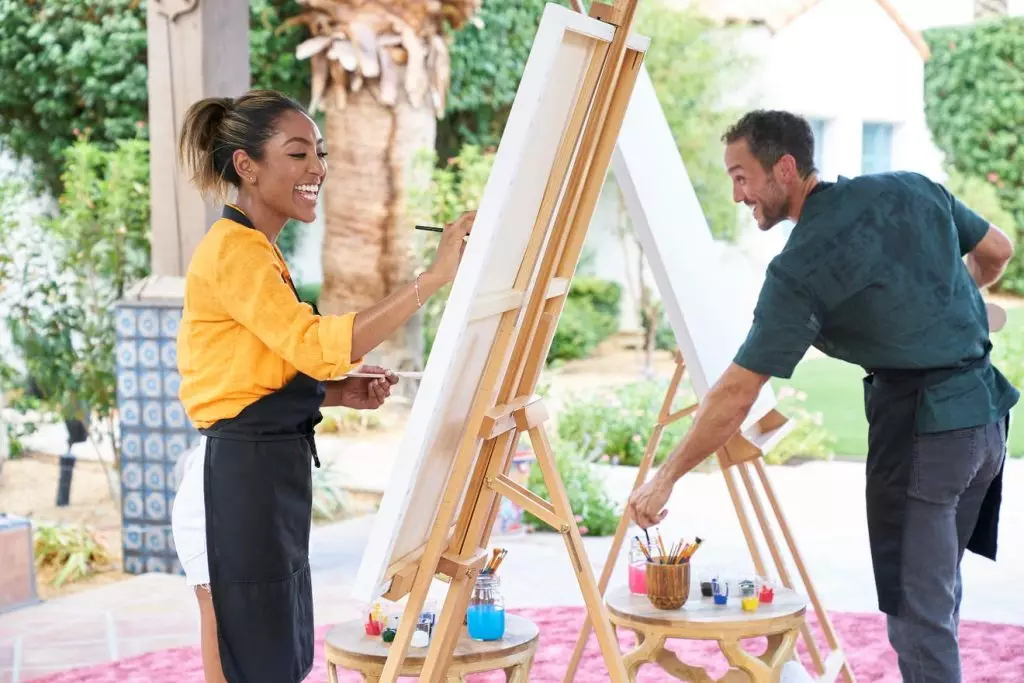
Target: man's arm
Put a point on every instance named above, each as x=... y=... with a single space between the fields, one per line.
x=718 y=419
x=787 y=319
x=987 y=261
x=988 y=249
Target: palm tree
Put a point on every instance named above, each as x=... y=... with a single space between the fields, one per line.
x=987 y=9
x=380 y=74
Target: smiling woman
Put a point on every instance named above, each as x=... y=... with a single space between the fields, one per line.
x=256 y=366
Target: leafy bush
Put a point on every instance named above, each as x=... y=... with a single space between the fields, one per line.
x=578 y=332
x=1008 y=352
x=596 y=514
x=65 y=274
x=590 y=315
x=67 y=65
x=614 y=425
x=974 y=106
x=808 y=438
x=70 y=553
x=604 y=295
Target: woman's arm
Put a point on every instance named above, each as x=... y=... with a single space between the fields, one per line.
x=378 y=322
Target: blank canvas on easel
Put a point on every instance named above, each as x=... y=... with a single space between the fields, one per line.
x=554 y=75
x=710 y=320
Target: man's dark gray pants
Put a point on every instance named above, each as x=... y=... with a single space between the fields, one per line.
x=951 y=473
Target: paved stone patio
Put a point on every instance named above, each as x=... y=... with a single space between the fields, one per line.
x=823 y=503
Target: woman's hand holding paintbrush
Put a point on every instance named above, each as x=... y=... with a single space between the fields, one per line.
x=444 y=265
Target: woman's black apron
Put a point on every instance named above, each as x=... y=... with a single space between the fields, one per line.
x=259 y=496
x=891 y=399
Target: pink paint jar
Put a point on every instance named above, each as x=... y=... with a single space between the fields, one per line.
x=637 y=570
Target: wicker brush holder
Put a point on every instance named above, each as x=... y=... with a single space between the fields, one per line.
x=668 y=585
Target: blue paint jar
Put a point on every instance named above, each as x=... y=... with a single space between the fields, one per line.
x=485 y=617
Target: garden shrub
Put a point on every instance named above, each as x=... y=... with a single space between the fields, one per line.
x=974 y=106
x=614 y=425
x=596 y=514
x=590 y=315
x=808 y=438
x=64 y=274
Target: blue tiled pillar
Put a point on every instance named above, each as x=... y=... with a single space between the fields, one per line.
x=154 y=429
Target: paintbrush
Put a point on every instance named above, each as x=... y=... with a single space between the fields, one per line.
x=643 y=549
x=497 y=561
x=401 y=374
x=693 y=548
x=434 y=228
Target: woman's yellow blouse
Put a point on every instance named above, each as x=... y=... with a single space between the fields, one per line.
x=244 y=333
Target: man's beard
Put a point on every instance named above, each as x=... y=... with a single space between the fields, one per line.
x=774 y=208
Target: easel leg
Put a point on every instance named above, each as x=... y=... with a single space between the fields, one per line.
x=741 y=515
x=812 y=593
x=574 y=543
x=449 y=626
x=665 y=418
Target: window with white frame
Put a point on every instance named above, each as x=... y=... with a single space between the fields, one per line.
x=876 y=148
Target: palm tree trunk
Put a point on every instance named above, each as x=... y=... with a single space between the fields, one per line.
x=368 y=241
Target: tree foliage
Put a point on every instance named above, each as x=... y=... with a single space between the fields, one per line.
x=486 y=66
x=68 y=65
x=974 y=106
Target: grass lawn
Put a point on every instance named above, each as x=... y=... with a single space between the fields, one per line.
x=833 y=389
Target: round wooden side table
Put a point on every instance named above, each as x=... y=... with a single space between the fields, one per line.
x=701 y=619
x=348 y=647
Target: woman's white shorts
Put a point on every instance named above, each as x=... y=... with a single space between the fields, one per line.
x=188 y=516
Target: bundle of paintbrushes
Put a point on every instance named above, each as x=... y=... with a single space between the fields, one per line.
x=677 y=553
x=497 y=555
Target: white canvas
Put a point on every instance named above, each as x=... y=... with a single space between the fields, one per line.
x=540 y=113
x=708 y=316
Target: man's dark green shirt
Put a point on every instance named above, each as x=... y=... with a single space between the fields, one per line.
x=873 y=274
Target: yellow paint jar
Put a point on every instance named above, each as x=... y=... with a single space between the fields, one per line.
x=749 y=603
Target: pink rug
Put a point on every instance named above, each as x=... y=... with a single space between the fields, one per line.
x=991 y=653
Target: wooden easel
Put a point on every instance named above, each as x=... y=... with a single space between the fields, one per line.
x=505 y=404
x=740 y=453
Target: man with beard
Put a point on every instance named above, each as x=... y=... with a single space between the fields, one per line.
x=874 y=274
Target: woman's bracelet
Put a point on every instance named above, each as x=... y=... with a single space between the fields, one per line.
x=416 y=287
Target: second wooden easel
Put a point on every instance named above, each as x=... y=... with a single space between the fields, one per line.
x=742 y=454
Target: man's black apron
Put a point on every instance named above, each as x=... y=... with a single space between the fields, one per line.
x=259 y=497
x=891 y=399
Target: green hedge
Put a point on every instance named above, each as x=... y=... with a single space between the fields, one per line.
x=68 y=65
x=590 y=315
x=974 y=106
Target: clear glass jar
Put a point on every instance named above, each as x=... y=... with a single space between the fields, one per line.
x=637 y=569
x=485 y=617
